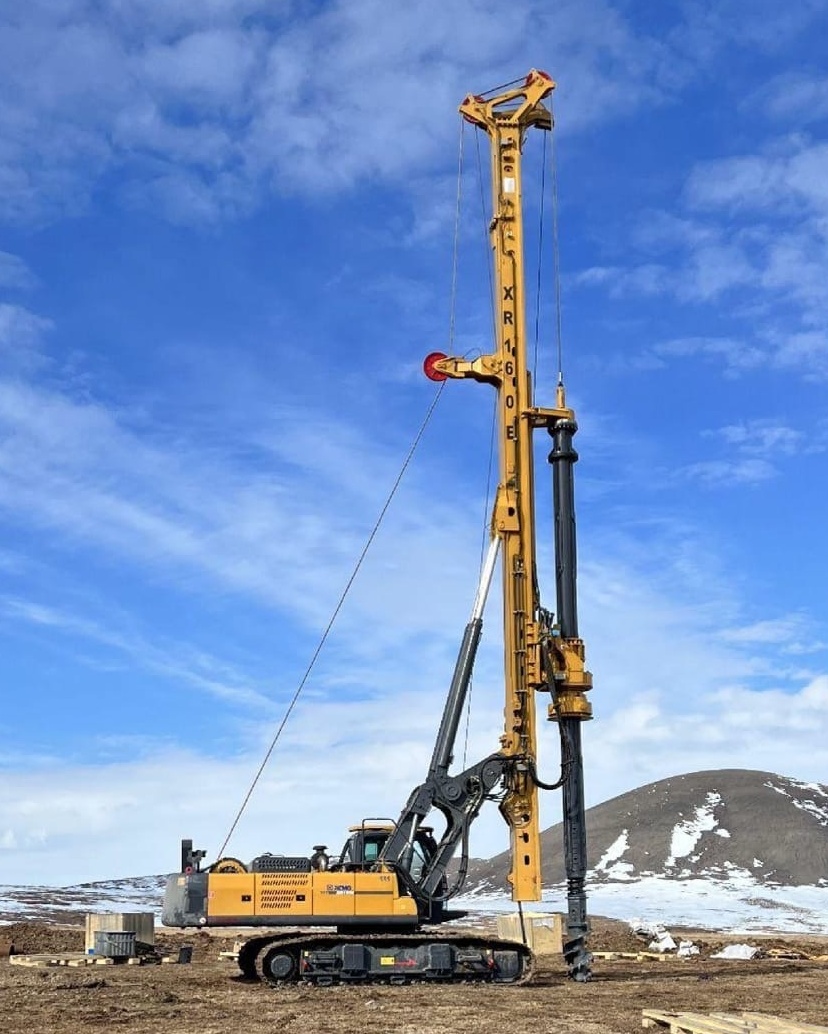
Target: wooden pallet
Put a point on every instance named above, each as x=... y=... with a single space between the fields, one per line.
x=726 y=1023
x=68 y=958
x=793 y=954
x=636 y=956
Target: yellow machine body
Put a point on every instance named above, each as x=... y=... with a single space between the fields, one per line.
x=326 y=898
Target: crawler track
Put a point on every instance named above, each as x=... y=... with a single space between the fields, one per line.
x=331 y=958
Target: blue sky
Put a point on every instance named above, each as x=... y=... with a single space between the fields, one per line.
x=225 y=247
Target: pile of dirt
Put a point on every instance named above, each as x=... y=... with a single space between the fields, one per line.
x=205 y=945
x=40 y=938
x=30 y=938
x=612 y=935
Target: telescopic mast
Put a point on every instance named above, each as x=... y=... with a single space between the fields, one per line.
x=538 y=656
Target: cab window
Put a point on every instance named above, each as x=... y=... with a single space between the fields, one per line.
x=417 y=861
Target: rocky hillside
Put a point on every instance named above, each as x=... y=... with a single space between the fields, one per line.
x=704 y=824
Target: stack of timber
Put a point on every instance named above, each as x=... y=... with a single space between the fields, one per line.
x=66 y=958
x=636 y=956
x=726 y=1023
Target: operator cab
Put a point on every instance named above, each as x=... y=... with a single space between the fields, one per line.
x=364 y=846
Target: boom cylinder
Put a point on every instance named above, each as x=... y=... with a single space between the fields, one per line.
x=463 y=668
x=447 y=733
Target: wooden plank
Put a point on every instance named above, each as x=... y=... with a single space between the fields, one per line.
x=693 y=1023
x=777 y=1023
x=50 y=955
x=69 y=958
x=635 y=956
x=726 y=1023
x=699 y=1023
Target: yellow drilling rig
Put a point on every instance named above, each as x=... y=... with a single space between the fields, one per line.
x=374 y=912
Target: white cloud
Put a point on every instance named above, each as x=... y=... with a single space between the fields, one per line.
x=795 y=96
x=14 y=273
x=143 y=497
x=759 y=24
x=210 y=67
x=648 y=279
x=755 y=233
x=137 y=495
x=157 y=502
x=690 y=707
x=21 y=333
x=782 y=631
x=735 y=354
x=205 y=111
x=760 y=437
x=729 y=472
x=756 y=444
x=178 y=662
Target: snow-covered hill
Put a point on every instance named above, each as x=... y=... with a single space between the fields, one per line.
x=710 y=825
x=70 y=904
x=730 y=849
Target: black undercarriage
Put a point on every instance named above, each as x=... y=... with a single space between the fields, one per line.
x=333 y=958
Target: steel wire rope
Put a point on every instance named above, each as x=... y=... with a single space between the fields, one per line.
x=369 y=541
x=335 y=614
x=539 y=283
x=485 y=234
x=503 y=86
x=556 y=257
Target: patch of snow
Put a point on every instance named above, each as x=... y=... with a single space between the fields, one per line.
x=687 y=834
x=722 y=833
x=813 y=787
x=616 y=849
x=820 y=814
x=621 y=871
x=736 y=951
x=687 y=948
x=737 y=903
x=757 y=864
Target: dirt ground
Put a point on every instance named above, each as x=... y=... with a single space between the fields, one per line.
x=204 y=998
